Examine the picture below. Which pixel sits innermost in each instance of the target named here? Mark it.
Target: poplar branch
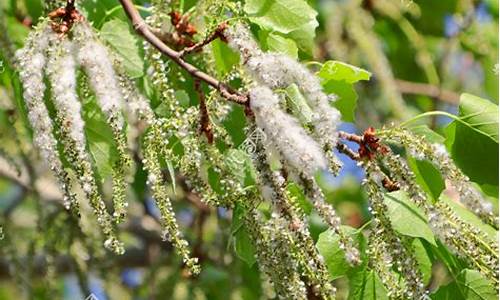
(143, 29)
(416, 88)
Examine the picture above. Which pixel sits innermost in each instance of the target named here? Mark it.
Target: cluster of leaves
(292, 27)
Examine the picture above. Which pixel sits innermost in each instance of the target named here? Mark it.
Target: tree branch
(416, 88)
(143, 29)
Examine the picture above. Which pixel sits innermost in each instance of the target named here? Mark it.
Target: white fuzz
(136, 103)
(31, 60)
(279, 71)
(240, 39)
(284, 132)
(94, 58)
(61, 70)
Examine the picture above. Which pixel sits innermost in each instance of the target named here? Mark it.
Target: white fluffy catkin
(298, 149)
(279, 71)
(31, 60)
(94, 58)
(61, 71)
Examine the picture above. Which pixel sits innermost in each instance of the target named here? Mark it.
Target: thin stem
(345, 150)
(143, 29)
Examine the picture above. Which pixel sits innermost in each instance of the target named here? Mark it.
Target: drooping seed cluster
(95, 60)
(276, 255)
(286, 251)
(280, 71)
(391, 252)
(302, 156)
(31, 60)
(300, 152)
(470, 243)
(272, 185)
(159, 190)
(470, 197)
(56, 57)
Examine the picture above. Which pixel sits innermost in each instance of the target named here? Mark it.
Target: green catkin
(398, 249)
(467, 241)
(437, 154)
(155, 180)
(329, 215)
(120, 167)
(84, 172)
(306, 253)
(276, 255)
(381, 262)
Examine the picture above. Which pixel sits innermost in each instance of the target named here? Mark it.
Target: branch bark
(416, 88)
(143, 29)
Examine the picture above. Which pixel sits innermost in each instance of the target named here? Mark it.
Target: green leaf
(473, 141)
(283, 16)
(301, 199)
(329, 247)
(298, 104)
(338, 78)
(304, 36)
(277, 43)
(243, 245)
(347, 98)
(293, 18)
(429, 134)
(473, 286)
(480, 114)
(336, 70)
(371, 288)
(182, 97)
(225, 58)
(99, 139)
(406, 217)
(467, 216)
(16, 31)
(448, 292)
(34, 8)
(424, 262)
(427, 176)
(117, 34)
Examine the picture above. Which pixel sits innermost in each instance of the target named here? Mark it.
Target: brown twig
(143, 29)
(387, 182)
(217, 33)
(347, 151)
(358, 139)
(205, 126)
(416, 88)
(368, 143)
